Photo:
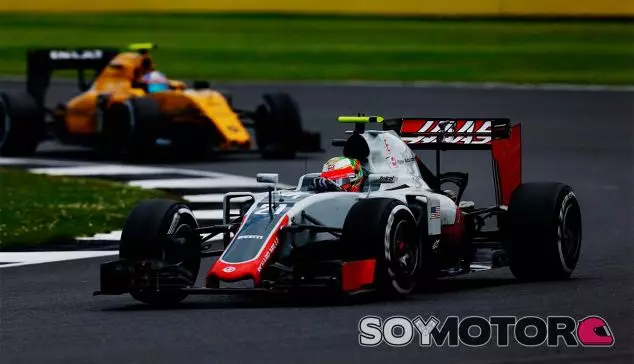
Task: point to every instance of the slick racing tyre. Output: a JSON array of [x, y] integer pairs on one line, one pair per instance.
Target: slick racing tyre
[[142, 240], [278, 126], [21, 124], [384, 229], [133, 126], [543, 231]]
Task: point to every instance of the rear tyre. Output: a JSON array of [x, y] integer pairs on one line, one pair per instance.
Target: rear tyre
[[384, 229], [141, 240], [134, 127], [21, 124], [543, 231], [278, 126]]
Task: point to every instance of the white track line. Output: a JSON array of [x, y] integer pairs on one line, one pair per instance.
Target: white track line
[[64, 164], [17, 259], [198, 183], [111, 236], [479, 86], [416, 84], [17, 161], [98, 170], [197, 180], [116, 236]]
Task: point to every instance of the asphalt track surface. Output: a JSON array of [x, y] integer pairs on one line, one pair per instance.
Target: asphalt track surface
[[581, 138]]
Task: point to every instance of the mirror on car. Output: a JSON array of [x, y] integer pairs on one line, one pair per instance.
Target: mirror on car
[[267, 177]]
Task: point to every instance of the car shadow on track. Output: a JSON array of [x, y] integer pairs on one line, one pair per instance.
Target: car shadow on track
[[221, 302]]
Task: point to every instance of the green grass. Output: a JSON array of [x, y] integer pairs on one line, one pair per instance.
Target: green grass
[[233, 47], [36, 209]]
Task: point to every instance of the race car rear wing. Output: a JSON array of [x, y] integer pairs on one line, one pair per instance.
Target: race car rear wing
[[440, 134], [42, 62], [450, 134]]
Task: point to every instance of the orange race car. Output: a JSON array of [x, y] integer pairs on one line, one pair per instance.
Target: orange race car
[[130, 107]]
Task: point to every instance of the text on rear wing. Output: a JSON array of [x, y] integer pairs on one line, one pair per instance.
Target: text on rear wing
[[456, 131]]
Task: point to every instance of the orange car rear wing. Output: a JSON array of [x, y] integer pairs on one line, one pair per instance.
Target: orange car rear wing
[[42, 62]]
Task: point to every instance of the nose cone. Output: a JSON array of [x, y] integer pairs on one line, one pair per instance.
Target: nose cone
[[232, 272], [249, 251]]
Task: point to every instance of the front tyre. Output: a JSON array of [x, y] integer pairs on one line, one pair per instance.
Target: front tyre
[[142, 241], [543, 231], [384, 229]]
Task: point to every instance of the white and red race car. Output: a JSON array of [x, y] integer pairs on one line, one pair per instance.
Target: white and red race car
[[401, 229]]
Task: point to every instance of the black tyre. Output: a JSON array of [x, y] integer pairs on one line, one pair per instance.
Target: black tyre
[[147, 224], [543, 231], [278, 126], [133, 127], [21, 124], [384, 229]]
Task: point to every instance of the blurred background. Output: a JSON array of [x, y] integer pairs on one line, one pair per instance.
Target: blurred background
[[405, 40]]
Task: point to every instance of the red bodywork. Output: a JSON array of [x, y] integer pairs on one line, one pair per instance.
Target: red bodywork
[[251, 269], [507, 164], [356, 275]]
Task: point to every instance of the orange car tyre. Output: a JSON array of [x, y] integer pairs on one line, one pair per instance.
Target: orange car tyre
[[278, 126], [134, 126], [21, 124]]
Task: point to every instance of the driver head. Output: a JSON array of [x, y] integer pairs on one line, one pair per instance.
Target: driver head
[[346, 173]]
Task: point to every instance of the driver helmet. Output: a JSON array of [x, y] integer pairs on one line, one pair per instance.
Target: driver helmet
[[346, 173], [156, 81]]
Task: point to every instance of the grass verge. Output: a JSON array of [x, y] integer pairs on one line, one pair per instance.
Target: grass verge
[[35, 209], [235, 47]]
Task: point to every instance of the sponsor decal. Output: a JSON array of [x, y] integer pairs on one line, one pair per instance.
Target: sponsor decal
[[406, 160], [451, 126], [267, 254], [387, 146], [477, 331], [393, 162], [250, 237], [387, 179], [229, 269], [76, 55]]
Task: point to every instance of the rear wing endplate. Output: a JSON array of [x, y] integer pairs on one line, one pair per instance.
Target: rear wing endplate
[[42, 62]]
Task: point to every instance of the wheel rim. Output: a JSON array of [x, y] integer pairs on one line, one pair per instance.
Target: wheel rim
[[405, 252], [570, 235]]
